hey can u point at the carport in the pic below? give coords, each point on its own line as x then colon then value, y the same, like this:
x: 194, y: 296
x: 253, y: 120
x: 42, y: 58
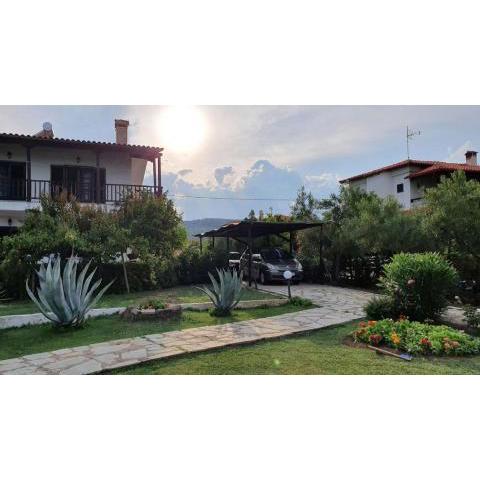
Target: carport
x: 246, y: 231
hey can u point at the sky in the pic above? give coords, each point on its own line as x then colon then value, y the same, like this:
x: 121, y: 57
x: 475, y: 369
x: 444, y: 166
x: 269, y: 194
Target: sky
x: 235, y: 155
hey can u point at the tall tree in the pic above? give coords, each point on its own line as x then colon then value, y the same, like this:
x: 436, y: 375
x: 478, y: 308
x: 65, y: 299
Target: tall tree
x: 452, y: 218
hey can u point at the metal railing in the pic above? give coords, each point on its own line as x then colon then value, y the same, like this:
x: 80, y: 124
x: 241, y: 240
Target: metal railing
x: 34, y: 189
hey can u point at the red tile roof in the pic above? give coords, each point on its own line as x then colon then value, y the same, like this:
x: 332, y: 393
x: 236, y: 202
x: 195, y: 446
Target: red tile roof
x: 404, y: 163
x: 140, y: 150
x: 445, y: 167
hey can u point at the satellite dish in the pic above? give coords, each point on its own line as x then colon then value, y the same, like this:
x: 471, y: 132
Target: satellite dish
x: 287, y: 274
x: 47, y: 126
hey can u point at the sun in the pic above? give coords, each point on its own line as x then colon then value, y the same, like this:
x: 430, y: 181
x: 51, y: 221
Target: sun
x: 182, y: 129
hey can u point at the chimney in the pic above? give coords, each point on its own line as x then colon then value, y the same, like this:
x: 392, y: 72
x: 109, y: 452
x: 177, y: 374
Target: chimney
x: 46, y: 131
x: 471, y: 157
x: 121, y: 130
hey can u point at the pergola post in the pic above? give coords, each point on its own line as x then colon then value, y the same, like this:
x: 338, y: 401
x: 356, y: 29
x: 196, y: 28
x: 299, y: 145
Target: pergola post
x: 290, y: 241
x: 154, y: 162
x: 201, y: 245
x: 159, y: 173
x: 250, y: 246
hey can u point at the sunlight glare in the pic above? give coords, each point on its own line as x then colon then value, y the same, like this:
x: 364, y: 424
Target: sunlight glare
x: 182, y: 128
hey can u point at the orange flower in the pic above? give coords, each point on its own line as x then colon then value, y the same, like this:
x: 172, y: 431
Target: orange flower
x: 371, y: 323
x: 362, y: 324
x: 395, y: 338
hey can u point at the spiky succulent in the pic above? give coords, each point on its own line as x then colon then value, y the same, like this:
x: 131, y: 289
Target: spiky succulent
x: 226, y: 292
x: 65, y: 298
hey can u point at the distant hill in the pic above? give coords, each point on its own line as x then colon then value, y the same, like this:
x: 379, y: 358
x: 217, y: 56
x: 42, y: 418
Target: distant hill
x: 204, y: 224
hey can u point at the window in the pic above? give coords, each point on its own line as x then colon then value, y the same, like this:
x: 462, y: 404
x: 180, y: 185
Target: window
x: 399, y: 187
x: 80, y: 182
x: 12, y: 180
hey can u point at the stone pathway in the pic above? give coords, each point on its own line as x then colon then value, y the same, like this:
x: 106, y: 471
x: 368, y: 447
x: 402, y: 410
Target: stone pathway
x: 336, y: 299
x: 338, y: 305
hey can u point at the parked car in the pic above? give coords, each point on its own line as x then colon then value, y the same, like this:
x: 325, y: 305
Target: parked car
x: 269, y: 265
x: 234, y: 260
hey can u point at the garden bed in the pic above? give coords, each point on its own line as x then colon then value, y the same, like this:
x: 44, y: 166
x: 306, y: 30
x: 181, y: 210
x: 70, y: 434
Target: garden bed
x: 415, y: 338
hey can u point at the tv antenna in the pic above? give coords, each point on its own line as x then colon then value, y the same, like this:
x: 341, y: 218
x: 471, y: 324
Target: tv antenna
x: 410, y: 134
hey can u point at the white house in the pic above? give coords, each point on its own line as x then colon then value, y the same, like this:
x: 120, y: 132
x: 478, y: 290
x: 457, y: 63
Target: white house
x: 94, y: 172
x: 407, y: 180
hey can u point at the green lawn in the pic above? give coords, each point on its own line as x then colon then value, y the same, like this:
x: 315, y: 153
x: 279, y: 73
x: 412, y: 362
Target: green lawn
x: 184, y: 294
x: 15, y: 342
x: 320, y: 352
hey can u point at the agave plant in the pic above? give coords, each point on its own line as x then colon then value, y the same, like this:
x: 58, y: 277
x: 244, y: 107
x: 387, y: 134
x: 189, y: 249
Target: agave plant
x: 226, y: 292
x: 65, y: 298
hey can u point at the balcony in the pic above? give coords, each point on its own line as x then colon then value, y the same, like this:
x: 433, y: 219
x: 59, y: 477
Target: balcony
x: 31, y: 190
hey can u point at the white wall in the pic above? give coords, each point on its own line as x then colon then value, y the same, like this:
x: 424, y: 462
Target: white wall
x: 385, y: 184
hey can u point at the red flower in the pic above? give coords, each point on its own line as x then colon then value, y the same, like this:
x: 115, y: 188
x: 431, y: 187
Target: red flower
x: 425, y: 342
x: 375, y: 338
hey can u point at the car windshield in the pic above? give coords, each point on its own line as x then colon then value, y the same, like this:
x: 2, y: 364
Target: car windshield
x: 275, y: 255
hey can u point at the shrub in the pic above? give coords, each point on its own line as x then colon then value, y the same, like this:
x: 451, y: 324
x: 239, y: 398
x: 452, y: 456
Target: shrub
x: 152, y: 303
x: 300, y: 302
x: 472, y: 315
x: 417, y: 338
x: 419, y: 284
x: 381, y: 307
x: 65, y: 299
x: 141, y: 275
x: 226, y: 293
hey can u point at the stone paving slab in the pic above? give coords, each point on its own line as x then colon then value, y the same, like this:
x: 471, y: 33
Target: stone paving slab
x: 337, y: 305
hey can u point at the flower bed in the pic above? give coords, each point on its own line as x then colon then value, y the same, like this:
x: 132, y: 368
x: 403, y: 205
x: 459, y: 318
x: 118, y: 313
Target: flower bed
x: 416, y: 338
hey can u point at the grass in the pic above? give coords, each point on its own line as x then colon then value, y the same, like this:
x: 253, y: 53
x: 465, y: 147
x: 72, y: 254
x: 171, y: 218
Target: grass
x: 15, y: 342
x: 320, y: 352
x: 183, y: 294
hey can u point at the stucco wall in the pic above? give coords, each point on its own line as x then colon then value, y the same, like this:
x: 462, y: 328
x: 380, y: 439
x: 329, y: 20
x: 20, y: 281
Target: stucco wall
x: 385, y: 184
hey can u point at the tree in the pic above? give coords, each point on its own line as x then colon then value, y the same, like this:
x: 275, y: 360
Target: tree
x: 358, y: 225
x: 305, y: 206
x: 155, y: 219
x: 452, y: 218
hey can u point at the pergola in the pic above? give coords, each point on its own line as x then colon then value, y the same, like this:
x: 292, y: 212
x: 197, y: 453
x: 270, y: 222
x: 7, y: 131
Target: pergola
x: 247, y: 231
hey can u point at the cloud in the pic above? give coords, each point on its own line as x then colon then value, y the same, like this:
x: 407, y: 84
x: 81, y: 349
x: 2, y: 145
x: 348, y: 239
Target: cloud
x: 184, y: 172
x: 221, y: 173
x: 323, y: 180
x: 263, y: 185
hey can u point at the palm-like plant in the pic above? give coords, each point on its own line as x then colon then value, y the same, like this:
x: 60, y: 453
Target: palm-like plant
x: 65, y: 298
x: 226, y: 292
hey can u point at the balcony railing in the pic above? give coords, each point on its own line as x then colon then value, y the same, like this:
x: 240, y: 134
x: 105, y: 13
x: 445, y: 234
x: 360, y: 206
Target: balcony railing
x: 34, y: 189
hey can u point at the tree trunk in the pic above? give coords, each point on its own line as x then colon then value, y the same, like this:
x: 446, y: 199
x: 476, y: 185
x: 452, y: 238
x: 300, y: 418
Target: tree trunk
x: 127, y: 285
x: 337, y: 268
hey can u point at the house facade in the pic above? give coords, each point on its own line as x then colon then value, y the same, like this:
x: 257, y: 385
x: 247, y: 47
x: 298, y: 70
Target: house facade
x: 406, y: 181
x: 98, y: 173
